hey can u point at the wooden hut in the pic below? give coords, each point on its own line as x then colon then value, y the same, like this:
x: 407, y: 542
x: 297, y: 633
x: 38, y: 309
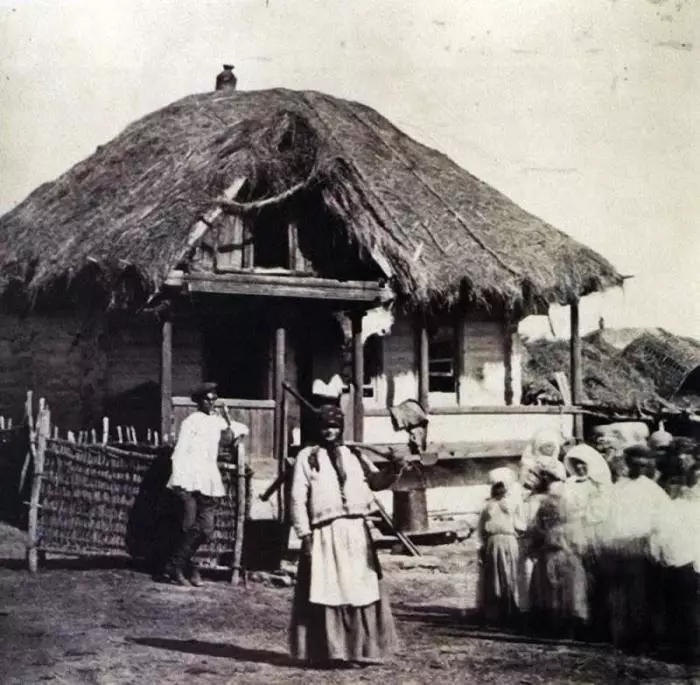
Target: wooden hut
x: 242, y: 236
x: 671, y: 361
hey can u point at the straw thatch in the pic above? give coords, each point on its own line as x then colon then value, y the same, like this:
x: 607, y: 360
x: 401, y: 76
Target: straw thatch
x: 672, y: 362
x: 445, y: 235
x: 609, y: 381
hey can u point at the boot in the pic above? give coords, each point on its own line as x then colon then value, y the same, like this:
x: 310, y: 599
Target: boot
x: 195, y: 577
x: 176, y: 574
x: 180, y: 560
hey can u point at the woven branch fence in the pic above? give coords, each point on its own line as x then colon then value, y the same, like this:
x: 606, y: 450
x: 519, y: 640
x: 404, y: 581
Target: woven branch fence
x: 102, y: 499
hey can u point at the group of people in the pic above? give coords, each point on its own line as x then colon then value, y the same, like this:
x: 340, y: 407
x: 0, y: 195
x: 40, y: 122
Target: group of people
x: 576, y: 544
x: 582, y: 545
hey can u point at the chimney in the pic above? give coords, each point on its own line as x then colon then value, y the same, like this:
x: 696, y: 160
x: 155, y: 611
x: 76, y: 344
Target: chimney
x: 226, y: 79
x: 601, y: 324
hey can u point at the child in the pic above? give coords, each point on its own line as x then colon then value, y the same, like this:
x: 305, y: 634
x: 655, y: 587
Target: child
x: 499, y: 553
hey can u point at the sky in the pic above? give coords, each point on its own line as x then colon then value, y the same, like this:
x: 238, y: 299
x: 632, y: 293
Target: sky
x: 584, y: 112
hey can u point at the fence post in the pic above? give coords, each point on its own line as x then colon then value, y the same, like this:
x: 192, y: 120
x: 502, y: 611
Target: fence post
x: 38, y: 439
x: 241, y: 513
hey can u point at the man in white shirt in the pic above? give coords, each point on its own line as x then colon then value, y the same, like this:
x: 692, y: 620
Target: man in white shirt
x: 196, y: 478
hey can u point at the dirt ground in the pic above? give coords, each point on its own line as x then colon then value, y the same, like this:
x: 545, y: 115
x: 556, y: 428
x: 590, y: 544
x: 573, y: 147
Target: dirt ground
x: 110, y: 624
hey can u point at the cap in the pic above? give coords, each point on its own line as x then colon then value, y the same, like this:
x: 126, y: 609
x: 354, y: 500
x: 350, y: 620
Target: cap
x: 202, y: 390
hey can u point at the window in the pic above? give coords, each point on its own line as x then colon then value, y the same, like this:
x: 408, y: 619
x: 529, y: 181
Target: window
x: 442, y: 356
x: 373, y: 364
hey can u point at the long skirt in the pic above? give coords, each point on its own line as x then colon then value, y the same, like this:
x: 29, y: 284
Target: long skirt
x: 323, y: 633
x: 559, y: 589
x: 499, y: 588
x: 632, y: 590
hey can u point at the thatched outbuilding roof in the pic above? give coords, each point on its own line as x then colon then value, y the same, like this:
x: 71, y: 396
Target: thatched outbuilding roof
x: 609, y: 382
x: 671, y: 361
x: 656, y: 372
x: 446, y: 235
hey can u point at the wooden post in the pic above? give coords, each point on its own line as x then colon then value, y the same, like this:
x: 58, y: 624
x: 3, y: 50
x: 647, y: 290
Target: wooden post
x: 166, y: 381
x: 241, y: 513
x: 39, y: 437
x: 576, y: 369
x: 358, y: 375
x: 278, y: 373
x: 460, y: 358
x: 423, y: 378
x: 248, y: 260
x: 293, y: 247
x: 508, y: 333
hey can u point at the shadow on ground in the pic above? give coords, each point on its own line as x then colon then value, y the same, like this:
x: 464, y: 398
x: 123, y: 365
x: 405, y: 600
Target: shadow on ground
x: 216, y: 649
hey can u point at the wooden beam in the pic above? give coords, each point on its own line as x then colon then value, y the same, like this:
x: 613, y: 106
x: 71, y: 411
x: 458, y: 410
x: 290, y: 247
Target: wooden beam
x: 248, y: 258
x: 286, y: 285
x: 358, y: 375
x: 278, y: 377
x: 515, y: 410
x: 423, y: 378
x: 452, y: 451
x: 292, y: 247
x: 508, y: 389
x: 460, y: 358
x: 166, y: 380
x: 576, y: 368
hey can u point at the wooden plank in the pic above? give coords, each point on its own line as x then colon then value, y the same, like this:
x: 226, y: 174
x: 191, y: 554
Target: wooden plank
x: 248, y: 246
x: 229, y: 248
x: 576, y: 370
x: 358, y: 375
x: 232, y: 403
x: 203, y: 225
x: 564, y: 388
x: 285, y: 285
x: 515, y: 410
x: 166, y: 381
x: 452, y: 451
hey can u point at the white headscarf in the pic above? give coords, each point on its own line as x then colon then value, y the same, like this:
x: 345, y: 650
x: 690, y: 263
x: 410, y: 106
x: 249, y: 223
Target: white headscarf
x: 533, y: 457
x: 598, y: 469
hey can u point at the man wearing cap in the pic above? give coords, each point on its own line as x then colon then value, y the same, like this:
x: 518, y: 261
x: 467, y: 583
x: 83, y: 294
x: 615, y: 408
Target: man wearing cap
x: 196, y: 478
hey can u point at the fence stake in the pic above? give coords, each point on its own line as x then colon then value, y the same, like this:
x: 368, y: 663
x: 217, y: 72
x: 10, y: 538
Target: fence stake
x: 240, y: 513
x: 105, y: 430
x: 43, y: 432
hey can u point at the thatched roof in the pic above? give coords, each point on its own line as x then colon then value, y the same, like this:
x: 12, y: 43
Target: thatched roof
x: 609, y: 381
x: 671, y: 361
x: 446, y: 235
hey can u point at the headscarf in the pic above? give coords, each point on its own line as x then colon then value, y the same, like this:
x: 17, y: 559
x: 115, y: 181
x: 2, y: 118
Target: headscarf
x: 533, y: 457
x: 554, y: 469
x: 331, y: 416
x: 501, y: 475
x: 546, y: 436
x: 598, y: 469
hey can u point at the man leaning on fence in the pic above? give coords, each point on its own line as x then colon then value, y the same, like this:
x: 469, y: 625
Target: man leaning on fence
x: 196, y: 478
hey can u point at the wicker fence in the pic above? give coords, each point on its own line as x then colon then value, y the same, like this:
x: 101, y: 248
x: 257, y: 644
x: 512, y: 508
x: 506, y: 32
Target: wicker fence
x: 95, y: 499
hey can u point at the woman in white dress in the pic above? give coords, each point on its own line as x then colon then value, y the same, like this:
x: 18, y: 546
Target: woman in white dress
x: 499, y: 592
x: 340, y: 612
